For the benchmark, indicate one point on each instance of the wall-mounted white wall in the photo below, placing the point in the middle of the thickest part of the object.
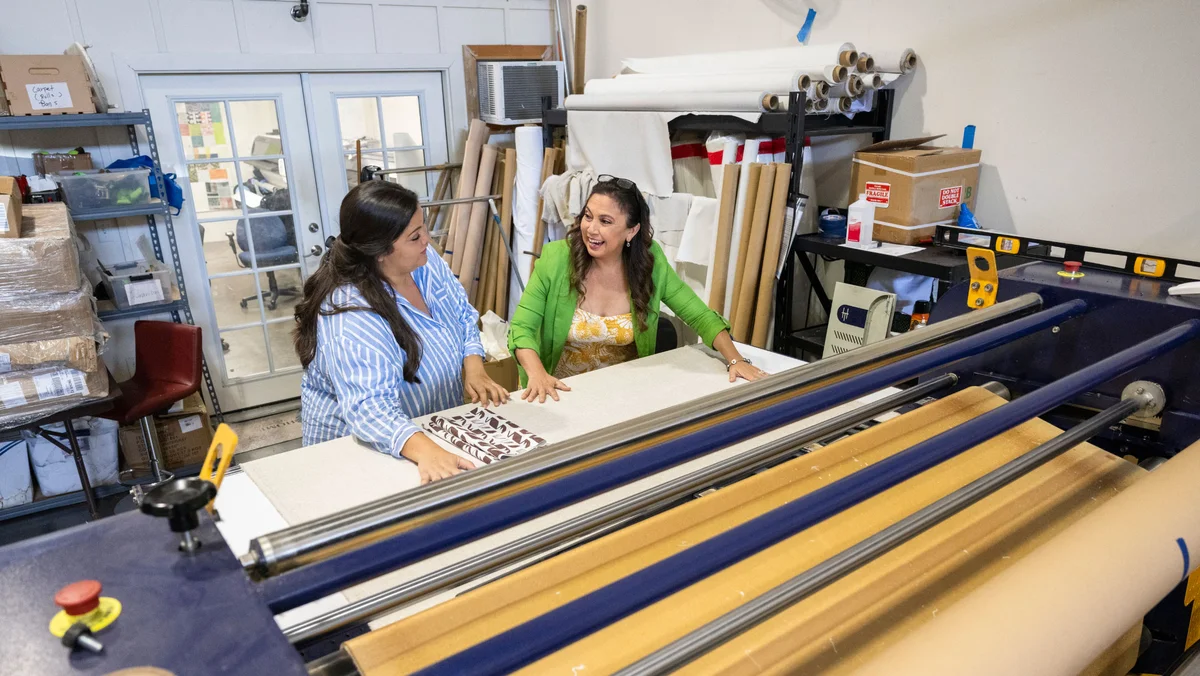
(1083, 108)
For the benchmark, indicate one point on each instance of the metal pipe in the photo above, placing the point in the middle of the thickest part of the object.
(409, 542)
(288, 548)
(517, 647)
(459, 200)
(377, 605)
(711, 635)
(413, 170)
(504, 238)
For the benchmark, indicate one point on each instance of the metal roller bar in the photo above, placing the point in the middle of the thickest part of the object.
(377, 605)
(313, 541)
(457, 200)
(554, 630)
(548, 493)
(748, 615)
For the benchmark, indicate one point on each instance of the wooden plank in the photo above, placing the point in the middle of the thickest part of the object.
(770, 261)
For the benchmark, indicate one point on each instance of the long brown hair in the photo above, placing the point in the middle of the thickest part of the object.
(373, 216)
(637, 257)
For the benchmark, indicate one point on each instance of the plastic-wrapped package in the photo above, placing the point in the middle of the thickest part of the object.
(45, 258)
(59, 329)
(26, 396)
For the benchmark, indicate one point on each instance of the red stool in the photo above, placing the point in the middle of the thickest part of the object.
(167, 370)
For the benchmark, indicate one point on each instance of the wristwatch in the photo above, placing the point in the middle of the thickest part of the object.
(743, 360)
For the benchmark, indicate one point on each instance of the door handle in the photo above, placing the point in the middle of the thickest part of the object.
(313, 227)
(316, 250)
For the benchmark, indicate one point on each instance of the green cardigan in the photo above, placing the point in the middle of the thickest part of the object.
(543, 317)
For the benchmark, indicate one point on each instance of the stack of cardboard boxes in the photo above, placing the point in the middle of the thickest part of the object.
(184, 435)
(50, 335)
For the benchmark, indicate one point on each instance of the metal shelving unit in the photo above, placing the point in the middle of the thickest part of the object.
(179, 310)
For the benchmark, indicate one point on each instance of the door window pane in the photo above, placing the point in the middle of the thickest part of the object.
(283, 350)
(261, 179)
(402, 121)
(415, 181)
(281, 292)
(235, 300)
(256, 128)
(273, 238)
(214, 190)
(368, 159)
(245, 352)
(203, 129)
(219, 239)
(359, 121)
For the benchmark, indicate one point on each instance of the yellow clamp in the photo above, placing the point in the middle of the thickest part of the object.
(985, 283)
(224, 444)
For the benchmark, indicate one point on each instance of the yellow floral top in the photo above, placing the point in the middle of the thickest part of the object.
(595, 342)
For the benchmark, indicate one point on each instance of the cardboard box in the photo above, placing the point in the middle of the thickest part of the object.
(29, 395)
(49, 164)
(45, 259)
(10, 208)
(49, 316)
(183, 438)
(915, 187)
(46, 84)
(75, 352)
(504, 372)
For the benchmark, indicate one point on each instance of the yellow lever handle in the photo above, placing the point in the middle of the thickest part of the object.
(223, 445)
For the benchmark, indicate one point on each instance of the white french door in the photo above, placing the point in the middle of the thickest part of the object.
(260, 199)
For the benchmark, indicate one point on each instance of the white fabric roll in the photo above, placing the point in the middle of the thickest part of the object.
(802, 57)
(749, 156)
(525, 199)
(895, 60)
(699, 231)
(779, 81)
(700, 102)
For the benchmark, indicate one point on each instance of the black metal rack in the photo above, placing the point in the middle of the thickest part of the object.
(794, 126)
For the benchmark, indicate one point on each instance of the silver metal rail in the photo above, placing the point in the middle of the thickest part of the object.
(353, 528)
(706, 638)
(641, 505)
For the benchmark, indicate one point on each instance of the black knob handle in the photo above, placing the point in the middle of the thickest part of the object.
(179, 500)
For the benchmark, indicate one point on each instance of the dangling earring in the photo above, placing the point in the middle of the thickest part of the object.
(626, 244)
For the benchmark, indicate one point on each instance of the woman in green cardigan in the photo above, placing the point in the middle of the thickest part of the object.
(593, 299)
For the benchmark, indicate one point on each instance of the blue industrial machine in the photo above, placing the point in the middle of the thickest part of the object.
(1066, 347)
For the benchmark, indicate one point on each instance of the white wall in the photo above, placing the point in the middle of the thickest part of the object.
(1084, 108)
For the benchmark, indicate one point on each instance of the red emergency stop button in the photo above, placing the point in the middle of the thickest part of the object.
(79, 598)
(1072, 266)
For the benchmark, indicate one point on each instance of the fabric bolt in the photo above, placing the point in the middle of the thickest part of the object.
(595, 342)
(699, 231)
(689, 162)
(483, 435)
(668, 216)
(355, 385)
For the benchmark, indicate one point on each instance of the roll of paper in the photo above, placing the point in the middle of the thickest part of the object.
(753, 191)
(749, 152)
(774, 242)
(718, 270)
(775, 80)
(895, 60)
(473, 236)
(702, 102)
(803, 57)
(871, 81)
(525, 201)
(865, 64)
(851, 87)
(476, 137)
(819, 89)
(751, 266)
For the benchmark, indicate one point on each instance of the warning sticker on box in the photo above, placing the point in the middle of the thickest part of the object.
(64, 383)
(49, 95)
(879, 193)
(141, 293)
(950, 197)
(11, 395)
(190, 423)
(5, 362)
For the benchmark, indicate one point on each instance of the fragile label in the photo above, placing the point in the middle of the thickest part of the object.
(11, 395)
(49, 95)
(950, 197)
(190, 423)
(879, 193)
(141, 293)
(5, 362)
(64, 383)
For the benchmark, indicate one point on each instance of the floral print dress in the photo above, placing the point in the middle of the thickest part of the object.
(595, 342)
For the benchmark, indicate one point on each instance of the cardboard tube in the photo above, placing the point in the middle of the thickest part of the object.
(819, 89)
(774, 243)
(439, 191)
(477, 135)
(539, 230)
(751, 175)
(871, 81)
(506, 217)
(831, 74)
(852, 86)
(848, 57)
(473, 236)
(720, 259)
(1072, 598)
(865, 64)
(895, 60)
(837, 105)
(743, 309)
(749, 153)
(485, 281)
(580, 48)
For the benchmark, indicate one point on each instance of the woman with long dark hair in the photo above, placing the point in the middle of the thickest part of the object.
(593, 299)
(385, 334)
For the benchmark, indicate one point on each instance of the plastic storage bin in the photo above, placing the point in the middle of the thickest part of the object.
(95, 190)
(16, 484)
(55, 469)
(134, 284)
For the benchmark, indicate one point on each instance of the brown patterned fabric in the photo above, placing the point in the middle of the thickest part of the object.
(483, 435)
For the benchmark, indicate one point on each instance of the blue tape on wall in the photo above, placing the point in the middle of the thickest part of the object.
(802, 36)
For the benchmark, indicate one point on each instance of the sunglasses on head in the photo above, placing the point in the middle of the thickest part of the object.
(622, 183)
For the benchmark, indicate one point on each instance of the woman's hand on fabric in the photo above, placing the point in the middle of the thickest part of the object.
(481, 389)
(433, 462)
(746, 371)
(542, 385)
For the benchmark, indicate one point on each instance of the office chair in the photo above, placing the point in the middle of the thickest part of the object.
(274, 244)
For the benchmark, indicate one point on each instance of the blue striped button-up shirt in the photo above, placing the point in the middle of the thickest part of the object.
(355, 385)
